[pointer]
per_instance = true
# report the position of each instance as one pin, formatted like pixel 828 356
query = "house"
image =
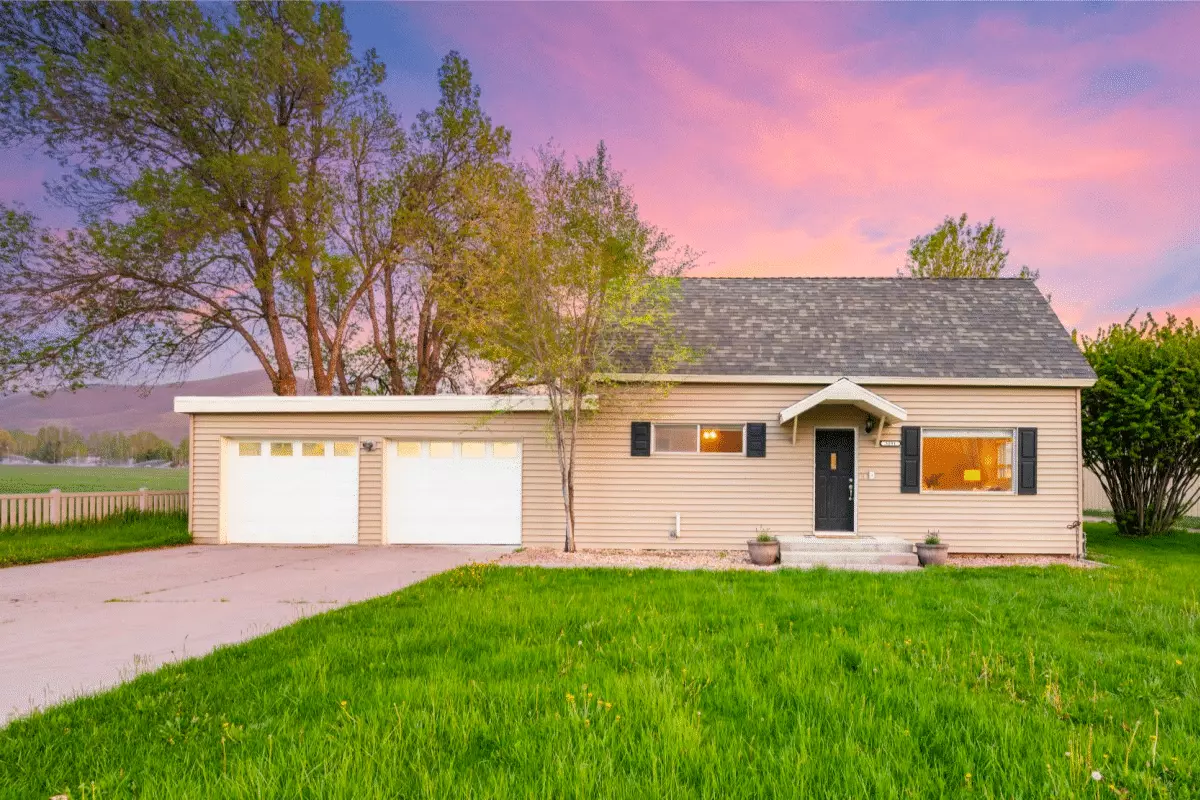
pixel 828 406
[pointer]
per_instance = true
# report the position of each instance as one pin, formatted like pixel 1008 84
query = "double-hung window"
pixel 966 460
pixel 676 438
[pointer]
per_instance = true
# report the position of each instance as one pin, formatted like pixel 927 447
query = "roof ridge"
pixel 895 278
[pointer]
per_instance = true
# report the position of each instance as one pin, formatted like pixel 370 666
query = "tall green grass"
pixel 130 530
pixel 495 682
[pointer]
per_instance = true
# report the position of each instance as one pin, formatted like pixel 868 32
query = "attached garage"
pixel 447 492
pixel 371 470
pixel 283 491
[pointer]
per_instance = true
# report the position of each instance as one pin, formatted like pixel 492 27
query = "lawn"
pixel 1184 521
pixel 21 479
pixel 129 531
pixel 496 682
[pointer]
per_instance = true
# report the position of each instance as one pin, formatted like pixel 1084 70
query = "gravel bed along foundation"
pixel 731 559
pixel 633 559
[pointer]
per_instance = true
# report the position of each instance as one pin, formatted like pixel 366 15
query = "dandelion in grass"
pixel 1096 776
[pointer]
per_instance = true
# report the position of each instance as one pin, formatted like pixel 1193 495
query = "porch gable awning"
pixel 846 392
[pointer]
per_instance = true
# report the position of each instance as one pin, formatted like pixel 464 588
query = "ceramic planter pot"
pixel 934 555
pixel 763 553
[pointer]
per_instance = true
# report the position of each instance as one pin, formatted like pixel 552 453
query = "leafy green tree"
pixel 24 443
pixel 200 142
pixel 8 445
pixel 957 249
pixel 57 444
pixel 579 282
pixel 417 208
pixel 110 448
pixel 1141 421
pixel 183 454
pixel 147 446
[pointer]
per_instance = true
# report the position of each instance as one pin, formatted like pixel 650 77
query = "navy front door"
pixel 835 481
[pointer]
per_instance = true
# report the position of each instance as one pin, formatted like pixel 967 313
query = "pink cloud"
pixel 780 139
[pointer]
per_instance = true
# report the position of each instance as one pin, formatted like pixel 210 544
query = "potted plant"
pixel 932 552
pixel 764 548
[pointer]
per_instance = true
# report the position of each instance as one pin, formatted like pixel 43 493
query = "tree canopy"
pixel 579 281
pixel 957 249
pixel 240 181
pixel 1141 421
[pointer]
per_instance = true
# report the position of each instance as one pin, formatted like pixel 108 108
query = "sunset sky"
pixel 817 139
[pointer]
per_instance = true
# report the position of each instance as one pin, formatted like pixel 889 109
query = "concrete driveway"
pixel 75 627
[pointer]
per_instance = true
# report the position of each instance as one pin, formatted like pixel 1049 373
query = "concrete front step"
pixel 844 544
pixel 847 559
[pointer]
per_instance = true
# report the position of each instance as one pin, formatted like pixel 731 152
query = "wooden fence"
pixel 1094 498
pixel 56 507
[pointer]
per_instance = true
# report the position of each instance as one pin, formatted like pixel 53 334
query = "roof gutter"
pixel 875 380
pixel 412 404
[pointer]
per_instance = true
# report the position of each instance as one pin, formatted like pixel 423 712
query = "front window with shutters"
pixel 967 460
pixel 699 439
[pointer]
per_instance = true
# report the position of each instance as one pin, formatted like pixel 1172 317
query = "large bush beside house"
pixel 1141 421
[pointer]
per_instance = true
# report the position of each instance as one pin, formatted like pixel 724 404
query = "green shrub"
pixel 1141 421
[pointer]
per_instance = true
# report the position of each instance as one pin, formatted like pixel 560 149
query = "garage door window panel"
pixel 408 449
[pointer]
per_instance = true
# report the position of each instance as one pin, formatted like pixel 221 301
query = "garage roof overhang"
pixel 846 392
pixel 412 404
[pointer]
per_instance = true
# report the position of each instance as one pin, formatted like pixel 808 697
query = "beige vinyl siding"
pixel 632 502
pixel 984 521
pixel 370 492
pixel 628 502
pixel 541 503
pixel 191 469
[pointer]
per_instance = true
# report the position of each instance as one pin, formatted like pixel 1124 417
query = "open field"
pixel 21 480
pixel 502 682
pixel 128 531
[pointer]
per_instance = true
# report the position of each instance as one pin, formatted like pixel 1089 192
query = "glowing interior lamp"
pixel 709 434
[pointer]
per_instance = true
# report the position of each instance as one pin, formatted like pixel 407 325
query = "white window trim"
pixel 654 451
pixel 970 433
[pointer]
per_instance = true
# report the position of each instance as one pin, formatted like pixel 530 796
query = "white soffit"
pixel 411 404
pixel 846 392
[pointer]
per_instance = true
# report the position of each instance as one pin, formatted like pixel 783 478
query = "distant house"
pixel 825 406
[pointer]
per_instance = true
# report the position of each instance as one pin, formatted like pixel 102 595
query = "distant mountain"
pixel 122 408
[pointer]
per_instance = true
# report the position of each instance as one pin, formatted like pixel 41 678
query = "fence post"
pixel 142 498
pixel 55 506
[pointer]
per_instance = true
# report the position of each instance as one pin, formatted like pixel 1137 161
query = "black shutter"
pixel 1027 461
pixel 639 438
pixel 910 460
pixel 756 439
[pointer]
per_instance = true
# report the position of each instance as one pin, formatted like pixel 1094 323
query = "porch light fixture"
pixel 870 426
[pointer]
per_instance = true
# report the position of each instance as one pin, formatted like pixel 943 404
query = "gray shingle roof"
pixel 885 327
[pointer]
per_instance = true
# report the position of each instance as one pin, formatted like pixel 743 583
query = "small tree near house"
pixel 579 284
pixel 957 249
pixel 1141 421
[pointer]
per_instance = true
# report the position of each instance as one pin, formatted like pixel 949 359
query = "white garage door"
pixel 454 492
pixel 294 492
